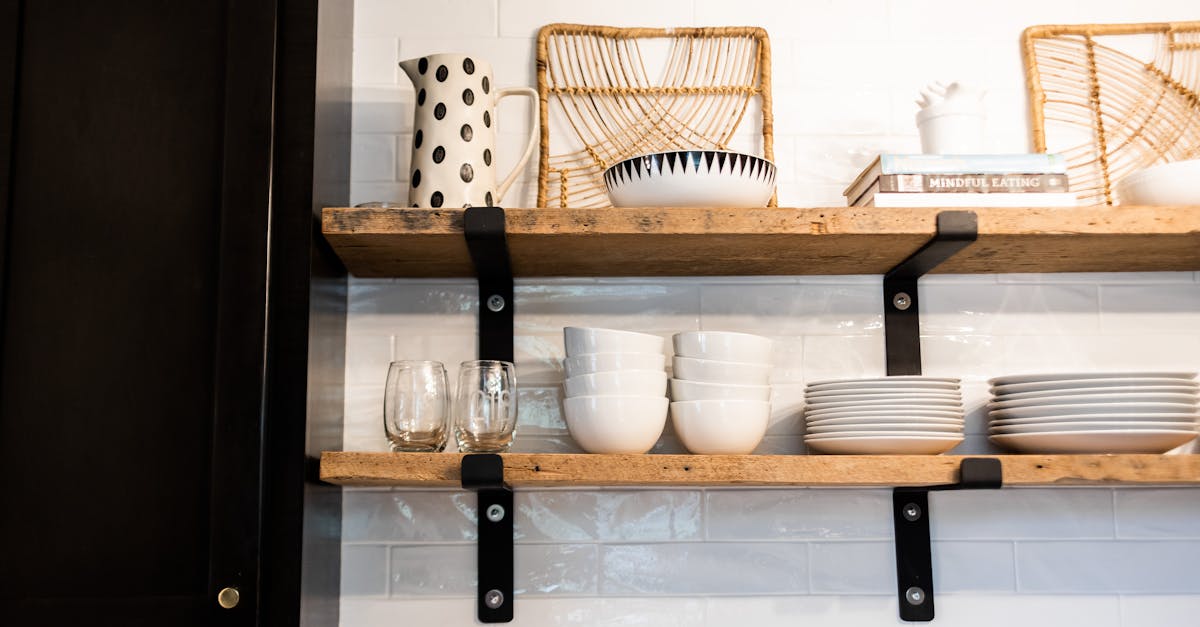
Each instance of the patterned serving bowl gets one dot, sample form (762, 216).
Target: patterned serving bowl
(691, 178)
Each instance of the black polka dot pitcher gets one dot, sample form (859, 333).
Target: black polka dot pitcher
(454, 134)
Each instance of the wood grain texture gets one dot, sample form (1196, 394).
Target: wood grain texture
(377, 242)
(535, 469)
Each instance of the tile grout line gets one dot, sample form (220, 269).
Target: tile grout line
(1015, 569)
(387, 585)
(1115, 524)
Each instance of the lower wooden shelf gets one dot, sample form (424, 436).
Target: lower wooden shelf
(545, 469)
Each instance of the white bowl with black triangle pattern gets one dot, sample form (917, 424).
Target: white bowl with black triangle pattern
(691, 178)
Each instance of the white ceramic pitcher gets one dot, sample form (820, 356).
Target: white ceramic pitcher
(454, 133)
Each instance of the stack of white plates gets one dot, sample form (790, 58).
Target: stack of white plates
(884, 416)
(1122, 412)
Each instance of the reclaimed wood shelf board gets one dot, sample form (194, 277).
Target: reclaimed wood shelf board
(538, 469)
(397, 242)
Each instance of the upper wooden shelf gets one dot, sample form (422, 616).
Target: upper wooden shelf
(538, 469)
(375, 242)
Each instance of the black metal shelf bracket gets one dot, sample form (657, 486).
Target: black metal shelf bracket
(486, 241)
(484, 473)
(910, 518)
(901, 308)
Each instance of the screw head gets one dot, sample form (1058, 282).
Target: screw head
(493, 599)
(495, 302)
(902, 301)
(495, 512)
(229, 598)
(911, 512)
(914, 596)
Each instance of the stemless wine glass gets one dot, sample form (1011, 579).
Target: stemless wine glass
(414, 406)
(485, 406)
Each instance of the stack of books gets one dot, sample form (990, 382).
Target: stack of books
(1034, 180)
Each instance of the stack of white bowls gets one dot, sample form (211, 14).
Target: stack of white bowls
(721, 392)
(884, 416)
(615, 389)
(1118, 412)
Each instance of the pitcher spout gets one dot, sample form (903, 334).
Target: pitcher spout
(412, 68)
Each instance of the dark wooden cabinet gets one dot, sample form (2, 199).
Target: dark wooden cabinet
(171, 324)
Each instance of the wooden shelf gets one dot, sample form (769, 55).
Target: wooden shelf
(375, 242)
(536, 469)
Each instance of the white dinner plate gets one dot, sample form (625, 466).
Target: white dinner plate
(1188, 417)
(884, 419)
(1104, 425)
(879, 434)
(1050, 401)
(1116, 441)
(890, 445)
(1077, 376)
(898, 397)
(1193, 390)
(1079, 384)
(937, 383)
(1094, 408)
(910, 378)
(880, 410)
(869, 428)
(864, 392)
(864, 413)
(924, 402)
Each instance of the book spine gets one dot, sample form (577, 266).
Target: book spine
(972, 164)
(973, 183)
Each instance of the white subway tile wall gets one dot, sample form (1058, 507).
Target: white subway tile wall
(845, 76)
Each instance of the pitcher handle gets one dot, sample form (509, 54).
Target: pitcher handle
(534, 133)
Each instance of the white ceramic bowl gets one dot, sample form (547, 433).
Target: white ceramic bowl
(606, 362)
(709, 371)
(618, 383)
(616, 424)
(720, 427)
(1176, 183)
(684, 390)
(691, 178)
(723, 346)
(585, 341)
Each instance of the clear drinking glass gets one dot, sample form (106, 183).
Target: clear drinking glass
(414, 406)
(485, 406)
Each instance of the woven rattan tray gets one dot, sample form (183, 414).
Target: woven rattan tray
(602, 103)
(1114, 98)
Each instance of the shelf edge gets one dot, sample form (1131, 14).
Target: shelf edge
(549, 470)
